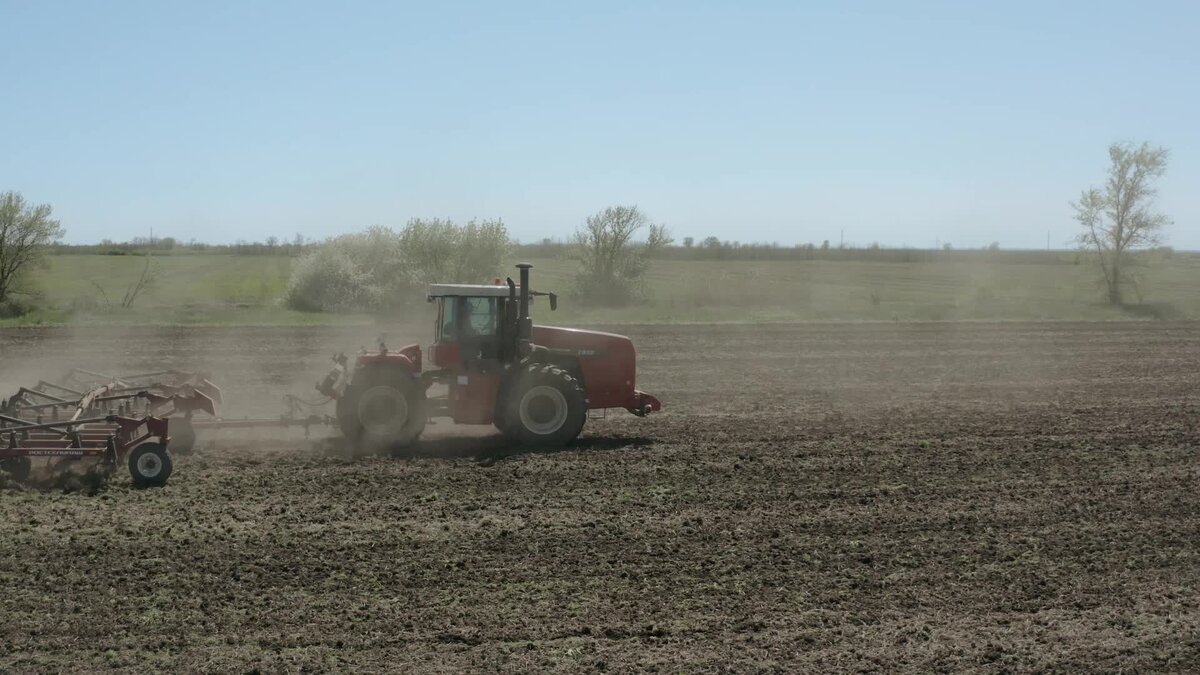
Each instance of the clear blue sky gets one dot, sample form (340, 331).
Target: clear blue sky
(903, 123)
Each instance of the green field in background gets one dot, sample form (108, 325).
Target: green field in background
(245, 289)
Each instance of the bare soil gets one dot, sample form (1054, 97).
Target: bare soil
(935, 496)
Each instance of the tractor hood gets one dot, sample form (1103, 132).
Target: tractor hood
(586, 342)
(607, 363)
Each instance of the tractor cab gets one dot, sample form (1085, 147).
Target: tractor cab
(470, 323)
(485, 325)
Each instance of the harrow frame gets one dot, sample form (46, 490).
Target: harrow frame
(89, 432)
(32, 424)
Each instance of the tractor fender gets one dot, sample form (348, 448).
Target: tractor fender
(408, 357)
(390, 360)
(566, 359)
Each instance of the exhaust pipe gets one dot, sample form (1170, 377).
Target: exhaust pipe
(524, 323)
(524, 308)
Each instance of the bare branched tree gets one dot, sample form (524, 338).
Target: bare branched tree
(103, 294)
(25, 231)
(612, 263)
(1122, 216)
(148, 278)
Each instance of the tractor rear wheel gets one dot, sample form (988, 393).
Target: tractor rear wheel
(546, 406)
(382, 410)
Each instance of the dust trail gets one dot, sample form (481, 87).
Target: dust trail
(87, 476)
(255, 367)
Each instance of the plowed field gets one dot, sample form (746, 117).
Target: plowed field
(821, 497)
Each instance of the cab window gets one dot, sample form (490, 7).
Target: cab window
(467, 317)
(439, 326)
(449, 321)
(481, 316)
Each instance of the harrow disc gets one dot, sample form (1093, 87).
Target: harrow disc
(18, 468)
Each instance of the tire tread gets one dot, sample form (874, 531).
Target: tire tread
(536, 374)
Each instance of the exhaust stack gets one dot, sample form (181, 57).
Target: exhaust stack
(524, 323)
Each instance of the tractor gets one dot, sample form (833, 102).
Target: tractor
(536, 384)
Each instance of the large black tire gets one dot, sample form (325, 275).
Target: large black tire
(18, 468)
(150, 465)
(383, 410)
(545, 406)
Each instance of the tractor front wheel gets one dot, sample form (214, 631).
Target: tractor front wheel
(382, 410)
(545, 407)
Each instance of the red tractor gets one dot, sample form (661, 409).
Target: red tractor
(534, 383)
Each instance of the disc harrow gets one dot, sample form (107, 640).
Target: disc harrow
(106, 425)
(88, 415)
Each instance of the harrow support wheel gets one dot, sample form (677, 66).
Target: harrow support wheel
(383, 410)
(545, 406)
(150, 465)
(18, 468)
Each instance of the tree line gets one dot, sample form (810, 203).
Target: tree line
(614, 247)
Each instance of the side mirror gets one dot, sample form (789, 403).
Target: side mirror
(553, 302)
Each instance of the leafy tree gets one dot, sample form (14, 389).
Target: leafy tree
(612, 263)
(25, 231)
(1122, 215)
(440, 251)
(381, 268)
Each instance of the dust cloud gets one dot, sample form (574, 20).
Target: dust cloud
(255, 367)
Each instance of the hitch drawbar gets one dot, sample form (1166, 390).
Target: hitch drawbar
(646, 404)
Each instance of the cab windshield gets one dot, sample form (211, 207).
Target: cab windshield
(466, 317)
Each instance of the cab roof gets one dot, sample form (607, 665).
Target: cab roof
(469, 290)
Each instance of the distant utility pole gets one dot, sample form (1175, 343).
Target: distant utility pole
(842, 240)
(1047, 240)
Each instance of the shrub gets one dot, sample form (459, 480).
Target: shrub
(382, 269)
(326, 280)
(15, 305)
